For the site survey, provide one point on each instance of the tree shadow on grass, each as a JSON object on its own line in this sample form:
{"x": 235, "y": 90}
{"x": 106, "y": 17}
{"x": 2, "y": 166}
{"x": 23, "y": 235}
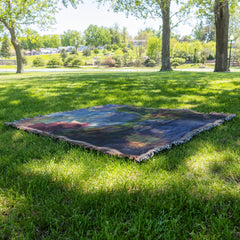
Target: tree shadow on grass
{"x": 110, "y": 198}
{"x": 42, "y": 206}
{"x": 37, "y": 95}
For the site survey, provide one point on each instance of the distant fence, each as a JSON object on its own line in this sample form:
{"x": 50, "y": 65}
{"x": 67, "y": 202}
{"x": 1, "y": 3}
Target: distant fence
{"x": 8, "y": 62}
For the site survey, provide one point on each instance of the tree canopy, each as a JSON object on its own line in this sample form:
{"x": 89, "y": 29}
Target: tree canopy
{"x": 97, "y": 36}
{"x": 71, "y": 38}
{"x": 145, "y": 9}
{"x": 22, "y": 13}
{"x": 17, "y": 15}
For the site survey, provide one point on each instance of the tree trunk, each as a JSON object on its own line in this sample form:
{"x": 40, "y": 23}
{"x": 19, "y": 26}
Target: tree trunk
{"x": 17, "y": 48}
{"x": 165, "y": 8}
{"x": 221, "y": 12}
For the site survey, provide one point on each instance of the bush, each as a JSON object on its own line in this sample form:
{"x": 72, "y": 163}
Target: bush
{"x": 118, "y": 52}
{"x": 180, "y": 54}
{"x": 38, "y": 62}
{"x": 74, "y": 51}
{"x": 178, "y": 60}
{"x": 97, "y": 62}
{"x": 150, "y": 62}
{"x": 63, "y": 54}
{"x": 126, "y": 58}
{"x": 119, "y": 60}
{"x": 175, "y": 64}
{"x": 115, "y": 46}
{"x": 24, "y": 60}
{"x": 211, "y": 57}
{"x": 76, "y": 62}
{"x": 130, "y": 63}
{"x": 138, "y": 62}
{"x": 68, "y": 60}
{"x": 105, "y": 52}
{"x": 131, "y": 46}
{"x": 86, "y": 52}
{"x": 54, "y": 62}
{"x": 203, "y": 59}
{"x": 96, "y": 50}
{"x": 73, "y": 61}
{"x": 109, "y": 61}
{"x": 125, "y": 50}
{"x": 109, "y": 48}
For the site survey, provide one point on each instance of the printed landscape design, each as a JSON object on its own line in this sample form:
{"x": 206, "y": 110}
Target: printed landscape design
{"x": 136, "y": 133}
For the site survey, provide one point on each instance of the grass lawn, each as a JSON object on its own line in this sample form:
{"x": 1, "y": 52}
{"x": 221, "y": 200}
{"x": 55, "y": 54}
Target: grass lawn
{"x": 53, "y": 190}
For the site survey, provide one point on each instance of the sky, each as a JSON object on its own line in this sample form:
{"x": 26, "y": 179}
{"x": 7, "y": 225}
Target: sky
{"x": 88, "y": 13}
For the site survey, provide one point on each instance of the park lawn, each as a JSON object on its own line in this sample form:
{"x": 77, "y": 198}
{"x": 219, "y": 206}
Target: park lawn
{"x": 52, "y": 190}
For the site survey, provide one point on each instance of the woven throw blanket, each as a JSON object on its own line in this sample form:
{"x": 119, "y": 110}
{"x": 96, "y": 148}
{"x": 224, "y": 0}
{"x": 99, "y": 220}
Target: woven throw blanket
{"x": 122, "y": 130}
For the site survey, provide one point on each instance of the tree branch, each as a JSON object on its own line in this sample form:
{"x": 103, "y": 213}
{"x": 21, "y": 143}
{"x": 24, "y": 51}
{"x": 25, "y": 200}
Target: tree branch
{"x": 5, "y": 23}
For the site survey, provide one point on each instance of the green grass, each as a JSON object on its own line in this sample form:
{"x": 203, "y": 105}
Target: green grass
{"x": 53, "y": 190}
{"x": 8, "y": 67}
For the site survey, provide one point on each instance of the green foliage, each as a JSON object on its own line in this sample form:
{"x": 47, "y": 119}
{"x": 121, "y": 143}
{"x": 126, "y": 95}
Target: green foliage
{"x": 54, "y": 62}
{"x": 5, "y": 49}
{"x": 125, "y": 50}
{"x": 109, "y": 62}
{"x": 195, "y": 57}
{"x": 51, "y": 41}
{"x": 204, "y": 55}
{"x": 131, "y": 46}
{"x": 73, "y": 3}
{"x": 97, "y": 36}
{"x": 31, "y": 40}
{"x": 192, "y": 50}
{"x": 236, "y": 52}
{"x": 205, "y": 7}
{"x": 86, "y": 52}
{"x": 77, "y": 62}
{"x": 63, "y": 54}
{"x": 74, "y": 51}
{"x": 118, "y": 52}
{"x": 115, "y": 35}
{"x": 97, "y": 62}
{"x": 138, "y": 8}
{"x": 178, "y": 60}
{"x": 71, "y": 38}
{"x": 119, "y": 60}
{"x": 175, "y": 64}
{"x": 73, "y": 61}
{"x": 115, "y": 47}
{"x": 154, "y": 48}
{"x": 38, "y": 62}
{"x": 205, "y": 33}
{"x": 234, "y": 25}
{"x": 68, "y": 60}
{"x": 124, "y": 35}
{"x": 105, "y": 51}
{"x": 138, "y": 62}
{"x": 109, "y": 47}
{"x": 126, "y": 59}
{"x": 17, "y": 14}
{"x": 96, "y": 50}
{"x": 24, "y": 60}
{"x": 139, "y": 51}
{"x": 150, "y": 62}
{"x": 145, "y": 35}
